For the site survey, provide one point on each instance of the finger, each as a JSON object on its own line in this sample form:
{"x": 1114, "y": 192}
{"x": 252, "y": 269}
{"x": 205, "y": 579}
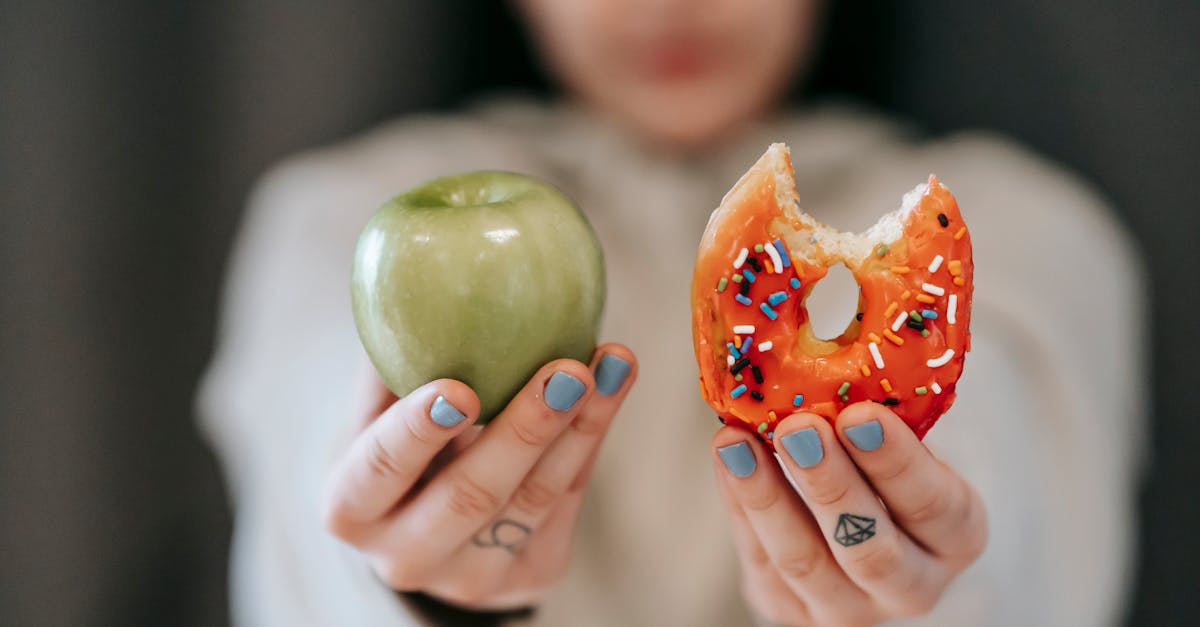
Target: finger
{"x": 387, "y": 458}
{"x": 615, "y": 370}
{"x": 870, "y": 548}
{"x": 469, "y": 492}
{"x": 763, "y": 588}
{"x": 788, "y": 533}
{"x": 556, "y": 473}
{"x": 930, "y": 501}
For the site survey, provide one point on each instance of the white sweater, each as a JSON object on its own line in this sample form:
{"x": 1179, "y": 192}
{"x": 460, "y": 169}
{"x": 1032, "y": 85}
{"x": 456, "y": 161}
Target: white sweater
{"x": 1048, "y": 425}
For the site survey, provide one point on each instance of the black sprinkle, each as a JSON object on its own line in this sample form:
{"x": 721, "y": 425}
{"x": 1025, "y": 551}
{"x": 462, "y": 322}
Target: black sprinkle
{"x": 943, "y": 220}
{"x": 721, "y": 419}
{"x": 744, "y": 288}
{"x": 756, "y": 395}
{"x": 858, "y": 316}
{"x": 739, "y": 365}
{"x": 913, "y": 324}
{"x": 891, "y": 400}
{"x": 757, "y": 374}
{"x": 753, "y": 261}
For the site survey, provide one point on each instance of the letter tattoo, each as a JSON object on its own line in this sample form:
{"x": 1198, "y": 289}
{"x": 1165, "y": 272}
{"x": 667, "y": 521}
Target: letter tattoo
{"x": 505, "y": 534}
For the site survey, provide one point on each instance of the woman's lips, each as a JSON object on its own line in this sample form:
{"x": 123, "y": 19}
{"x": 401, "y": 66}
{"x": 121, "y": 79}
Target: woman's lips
{"x": 677, "y": 61}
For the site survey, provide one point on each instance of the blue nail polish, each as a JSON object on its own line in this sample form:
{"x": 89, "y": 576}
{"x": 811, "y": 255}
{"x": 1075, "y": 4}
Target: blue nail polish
{"x": 563, "y": 390}
{"x": 866, "y": 437}
{"x": 610, "y": 374}
{"x": 804, "y": 446}
{"x": 739, "y": 459}
{"x": 444, "y": 413}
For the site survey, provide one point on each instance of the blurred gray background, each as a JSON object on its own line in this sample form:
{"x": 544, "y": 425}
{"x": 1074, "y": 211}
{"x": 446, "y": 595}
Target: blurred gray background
{"x": 131, "y": 131}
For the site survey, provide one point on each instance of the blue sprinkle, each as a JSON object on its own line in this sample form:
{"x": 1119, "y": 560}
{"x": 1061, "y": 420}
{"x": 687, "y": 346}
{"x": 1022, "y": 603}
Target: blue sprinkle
{"x": 776, "y": 298}
{"x": 742, "y": 299}
{"x": 749, "y": 275}
{"x": 770, "y": 435}
{"x": 798, "y": 400}
{"x": 783, "y": 256}
{"x": 929, "y": 313}
{"x": 795, "y": 283}
{"x": 738, "y": 391}
{"x": 767, "y": 310}
{"x": 733, "y": 350}
{"x": 747, "y": 342}
{"x": 812, "y": 239}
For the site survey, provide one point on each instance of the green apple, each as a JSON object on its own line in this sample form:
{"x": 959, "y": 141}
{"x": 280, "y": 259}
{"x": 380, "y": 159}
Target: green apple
{"x": 482, "y": 277}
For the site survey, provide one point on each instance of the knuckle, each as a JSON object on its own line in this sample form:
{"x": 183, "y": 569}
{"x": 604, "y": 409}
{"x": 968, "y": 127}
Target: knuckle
{"x": 591, "y": 423}
{"x": 757, "y": 556}
{"x": 761, "y": 500}
{"x": 470, "y": 499}
{"x": 382, "y": 462}
{"x": 899, "y": 467}
{"x": 422, "y": 432}
{"x": 530, "y": 434}
{"x": 880, "y": 563}
{"x": 827, "y": 490}
{"x": 398, "y": 575}
{"x": 336, "y": 519}
{"x": 798, "y": 566}
{"x": 474, "y": 591}
{"x": 934, "y": 505}
{"x": 533, "y": 495}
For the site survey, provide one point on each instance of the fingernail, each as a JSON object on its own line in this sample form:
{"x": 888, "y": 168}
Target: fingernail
{"x": 738, "y": 458}
{"x": 804, "y": 446}
{"x": 563, "y": 390}
{"x": 610, "y": 374}
{"x": 866, "y": 437}
{"x": 444, "y": 413}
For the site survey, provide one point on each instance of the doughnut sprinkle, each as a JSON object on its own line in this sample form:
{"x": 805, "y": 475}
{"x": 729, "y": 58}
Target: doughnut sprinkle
{"x": 759, "y": 359}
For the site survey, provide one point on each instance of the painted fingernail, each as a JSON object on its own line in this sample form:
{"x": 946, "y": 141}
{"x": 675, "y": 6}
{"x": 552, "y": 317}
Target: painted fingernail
{"x": 738, "y": 458}
{"x": 563, "y": 390}
{"x": 444, "y": 413}
{"x": 804, "y": 446}
{"x": 866, "y": 437}
{"x": 610, "y": 374}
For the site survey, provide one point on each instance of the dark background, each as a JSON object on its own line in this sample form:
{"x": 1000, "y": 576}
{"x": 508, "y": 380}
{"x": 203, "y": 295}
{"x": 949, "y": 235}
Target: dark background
{"x": 130, "y": 133}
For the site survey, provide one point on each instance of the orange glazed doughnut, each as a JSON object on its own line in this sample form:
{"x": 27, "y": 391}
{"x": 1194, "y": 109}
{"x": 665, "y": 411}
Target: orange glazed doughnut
{"x": 760, "y": 258}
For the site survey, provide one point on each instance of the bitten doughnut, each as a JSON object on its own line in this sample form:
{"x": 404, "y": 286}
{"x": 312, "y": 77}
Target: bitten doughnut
{"x": 760, "y": 258}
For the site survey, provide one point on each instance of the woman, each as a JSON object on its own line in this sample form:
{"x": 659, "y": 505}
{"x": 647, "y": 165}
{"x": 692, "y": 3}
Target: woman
{"x": 424, "y": 519}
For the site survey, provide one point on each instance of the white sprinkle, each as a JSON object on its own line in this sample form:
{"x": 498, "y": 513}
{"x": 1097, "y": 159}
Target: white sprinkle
{"x": 941, "y": 361}
{"x": 741, "y": 258}
{"x": 899, "y": 321}
{"x": 935, "y": 264}
{"x": 951, "y": 308}
{"x": 933, "y": 289}
{"x": 776, "y": 260}
{"x": 743, "y": 329}
{"x": 937, "y": 389}
{"x": 874, "y": 348}
{"x": 765, "y": 346}
{"x": 729, "y": 359}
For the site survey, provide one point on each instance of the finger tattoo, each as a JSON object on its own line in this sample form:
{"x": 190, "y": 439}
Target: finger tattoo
{"x": 505, "y": 533}
{"x": 853, "y": 529}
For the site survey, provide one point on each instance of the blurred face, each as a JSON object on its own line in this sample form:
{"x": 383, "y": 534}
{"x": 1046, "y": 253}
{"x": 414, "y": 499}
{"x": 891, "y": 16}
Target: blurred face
{"x": 679, "y": 73}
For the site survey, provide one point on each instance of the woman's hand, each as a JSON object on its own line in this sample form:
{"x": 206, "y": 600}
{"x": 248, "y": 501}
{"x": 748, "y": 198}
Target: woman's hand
{"x": 480, "y": 518}
{"x": 830, "y": 552}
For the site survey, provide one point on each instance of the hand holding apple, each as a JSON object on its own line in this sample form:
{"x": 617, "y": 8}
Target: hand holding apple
{"x": 483, "y": 278}
{"x": 478, "y": 517}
